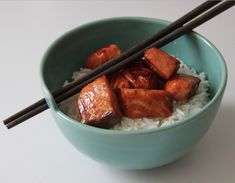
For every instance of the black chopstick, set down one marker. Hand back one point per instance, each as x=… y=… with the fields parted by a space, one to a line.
x=171 y=36
x=176 y=24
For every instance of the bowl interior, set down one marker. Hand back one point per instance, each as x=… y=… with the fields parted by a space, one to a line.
x=70 y=51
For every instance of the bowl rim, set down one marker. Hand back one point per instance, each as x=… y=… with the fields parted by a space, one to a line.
x=54 y=107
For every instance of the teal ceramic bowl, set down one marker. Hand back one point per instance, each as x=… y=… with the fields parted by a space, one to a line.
x=141 y=149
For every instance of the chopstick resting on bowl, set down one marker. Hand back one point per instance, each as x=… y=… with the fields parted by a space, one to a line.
x=183 y=25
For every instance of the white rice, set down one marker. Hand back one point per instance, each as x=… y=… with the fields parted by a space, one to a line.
x=180 y=109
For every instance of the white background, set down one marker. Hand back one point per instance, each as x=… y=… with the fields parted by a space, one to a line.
x=36 y=151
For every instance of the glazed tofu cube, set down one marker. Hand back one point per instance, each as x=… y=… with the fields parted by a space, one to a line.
x=161 y=62
x=182 y=86
x=102 y=56
x=98 y=105
x=139 y=103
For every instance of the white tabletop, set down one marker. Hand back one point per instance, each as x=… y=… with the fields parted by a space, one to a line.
x=36 y=151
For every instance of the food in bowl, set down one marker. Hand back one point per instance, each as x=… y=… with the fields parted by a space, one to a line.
x=98 y=105
x=102 y=56
x=156 y=91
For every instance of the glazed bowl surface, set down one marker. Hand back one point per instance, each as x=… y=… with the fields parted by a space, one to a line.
x=141 y=149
